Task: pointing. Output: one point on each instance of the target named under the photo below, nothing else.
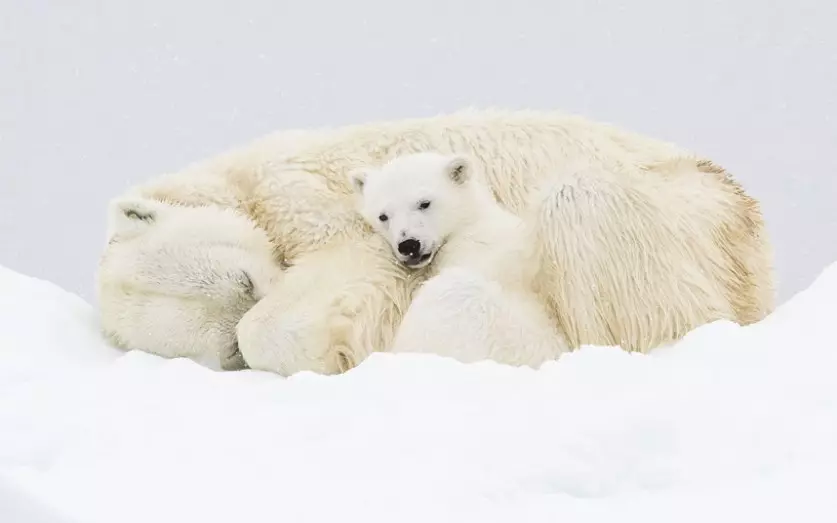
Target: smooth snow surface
(732, 424)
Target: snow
(730, 424)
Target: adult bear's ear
(357, 179)
(458, 169)
(130, 216)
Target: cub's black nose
(410, 247)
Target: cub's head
(175, 280)
(415, 201)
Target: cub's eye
(383, 217)
(424, 204)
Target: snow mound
(730, 424)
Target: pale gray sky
(96, 96)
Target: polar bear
(647, 240)
(480, 300)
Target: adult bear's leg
(633, 258)
(330, 310)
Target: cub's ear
(129, 216)
(357, 179)
(458, 169)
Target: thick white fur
(647, 241)
(479, 301)
(175, 281)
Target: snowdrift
(730, 424)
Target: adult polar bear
(648, 240)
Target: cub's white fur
(480, 300)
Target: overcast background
(96, 96)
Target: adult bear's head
(175, 280)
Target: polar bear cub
(479, 300)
